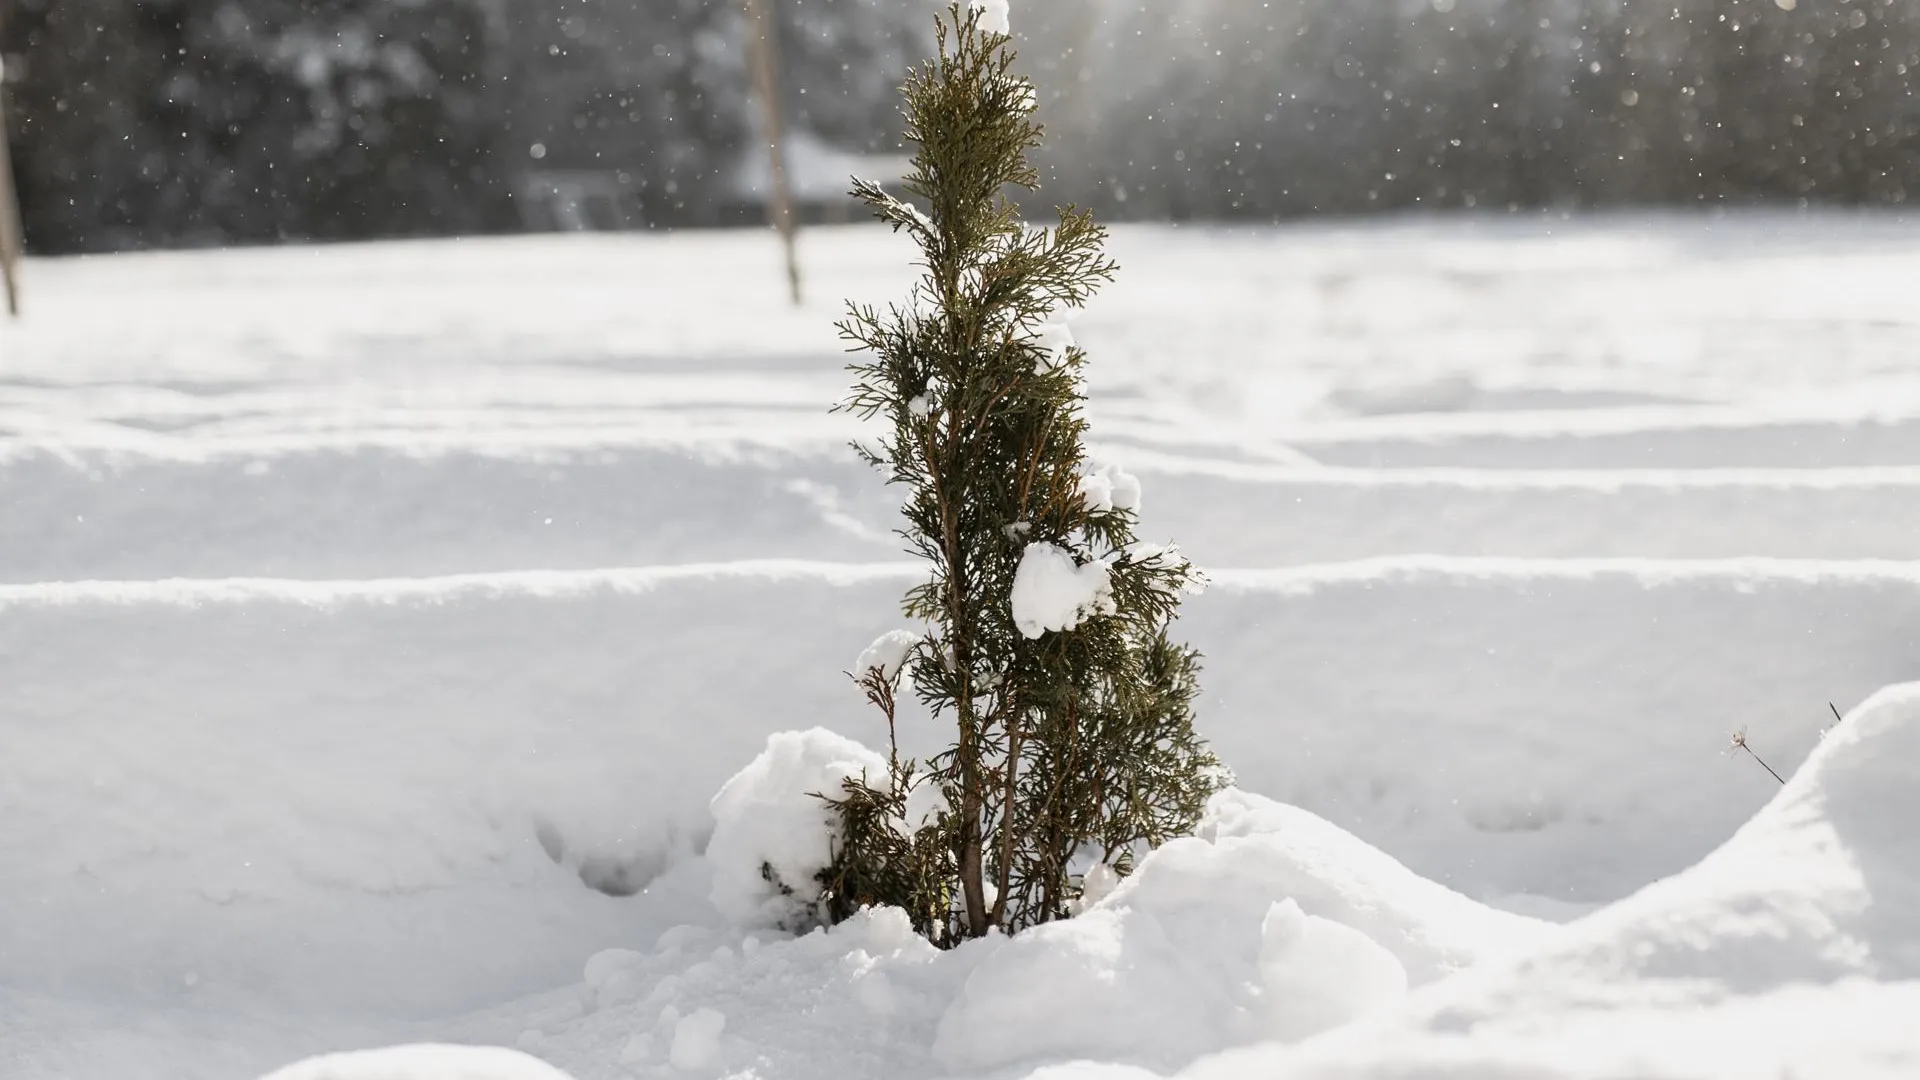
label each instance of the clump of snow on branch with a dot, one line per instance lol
(1052, 344)
(1142, 553)
(1053, 592)
(993, 16)
(925, 803)
(769, 818)
(888, 653)
(1107, 487)
(1095, 885)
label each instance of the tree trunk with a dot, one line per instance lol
(766, 88)
(10, 240)
(1523, 79)
(973, 796)
(972, 866)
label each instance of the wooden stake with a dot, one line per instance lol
(765, 62)
(10, 244)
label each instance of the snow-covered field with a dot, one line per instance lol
(377, 622)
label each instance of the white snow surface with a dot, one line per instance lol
(696, 1040)
(422, 1062)
(1054, 592)
(378, 622)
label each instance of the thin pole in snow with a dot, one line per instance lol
(9, 211)
(765, 62)
(1740, 743)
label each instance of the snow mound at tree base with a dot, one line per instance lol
(1793, 950)
(1272, 924)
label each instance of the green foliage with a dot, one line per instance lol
(1075, 745)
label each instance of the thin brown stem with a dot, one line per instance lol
(972, 798)
(1033, 467)
(1005, 885)
(1740, 743)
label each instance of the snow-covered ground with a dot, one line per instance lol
(377, 621)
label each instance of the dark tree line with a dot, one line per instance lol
(166, 122)
(1221, 108)
(144, 123)
(141, 123)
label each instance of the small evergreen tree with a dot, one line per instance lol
(1047, 641)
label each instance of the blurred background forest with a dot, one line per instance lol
(167, 123)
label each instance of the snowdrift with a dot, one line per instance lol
(319, 507)
(368, 509)
(1627, 438)
(1264, 516)
(1792, 950)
